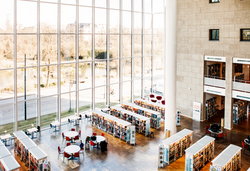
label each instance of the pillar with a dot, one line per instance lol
(169, 63)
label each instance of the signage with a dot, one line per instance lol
(196, 111)
(178, 117)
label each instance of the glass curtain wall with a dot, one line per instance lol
(62, 57)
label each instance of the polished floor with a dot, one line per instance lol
(142, 156)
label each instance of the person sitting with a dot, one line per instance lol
(81, 145)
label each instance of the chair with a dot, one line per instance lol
(244, 146)
(66, 155)
(77, 155)
(73, 129)
(103, 134)
(220, 136)
(206, 130)
(158, 97)
(68, 144)
(59, 151)
(63, 137)
(86, 117)
(51, 126)
(225, 134)
(76, 137)
(153, 100)
(69, 121)
(93, 144)
(68, 139)
(80, 133)
(163, 102)
(94, 134)
(151, 96)
(82, 152)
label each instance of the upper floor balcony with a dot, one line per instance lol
(214, 81)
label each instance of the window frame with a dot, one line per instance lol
(241, 35)
(210, 35)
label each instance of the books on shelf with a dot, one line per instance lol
(150, 105)
(239, 111)
(29, 152)
(112, 125)
(161, 156)
(199, 154)
(175, 145)
(155, 117)
(141, 123)
(211, 107)
(228, 159)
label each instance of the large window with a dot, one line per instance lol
(58, 59)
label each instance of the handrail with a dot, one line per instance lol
(242, 81)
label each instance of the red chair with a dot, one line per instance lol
(76, 137)
(158, 97)
(220, 136)
(244, 146)
(206, 129)
(93, 144)
(63, 137)
(151, 96)
(67, 139)
(163, 102)
(73, 129)
(103, 134)
(80, 133)
(153, 100)
(67, 144)
(66, 155)
(59, 151)
(77, 155)
(94, 134)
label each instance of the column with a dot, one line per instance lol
(170, 62)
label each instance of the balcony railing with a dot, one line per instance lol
(241, 85)
(214, 81)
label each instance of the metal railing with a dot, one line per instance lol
(214, 81)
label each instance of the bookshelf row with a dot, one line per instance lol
(114, 126)
(228, 159)
(211, 107)
(155, 117)
(239, 111)
(174, 146)
(141, 123)
(199, 154)
(7, 161)
(32, 156)
(153, 106)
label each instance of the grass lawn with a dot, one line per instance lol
(47, 119)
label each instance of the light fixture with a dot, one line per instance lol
(5, 131)
(32, 125)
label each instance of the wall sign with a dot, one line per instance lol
(178, 118)
(196, 111)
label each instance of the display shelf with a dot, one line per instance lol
(199, 154)
(4, 152)
(239, 111)
(9, 163)
(141, 123)
(150, 105)
(29, 152)
(211, 107)
(228, 160)
(112, 125)
(155, 117)
(175, 145)
(214, 70)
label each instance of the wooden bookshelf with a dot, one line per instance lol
(112, 125)
(29, 152)
(211, 107)
(141, 123)
(239, 111)
(228, 159)
(155, 117)
(150, 105)
(174, 146)
(199, 154)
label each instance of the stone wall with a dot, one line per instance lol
(194, 19)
